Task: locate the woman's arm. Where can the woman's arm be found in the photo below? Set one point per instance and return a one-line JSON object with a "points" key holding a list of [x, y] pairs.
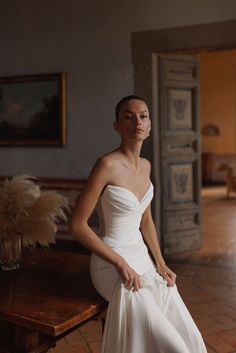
{"points": [[149, 232], [101, 175]]}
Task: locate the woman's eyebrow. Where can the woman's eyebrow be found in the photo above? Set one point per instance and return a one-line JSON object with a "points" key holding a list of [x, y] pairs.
{"points": [[131, 112]]}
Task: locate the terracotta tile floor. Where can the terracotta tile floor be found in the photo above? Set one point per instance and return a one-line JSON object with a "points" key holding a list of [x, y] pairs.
{"points": [[206, 281], [219, 231]]}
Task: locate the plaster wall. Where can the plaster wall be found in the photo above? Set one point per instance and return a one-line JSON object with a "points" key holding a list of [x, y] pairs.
{"points": [[218, 100]]}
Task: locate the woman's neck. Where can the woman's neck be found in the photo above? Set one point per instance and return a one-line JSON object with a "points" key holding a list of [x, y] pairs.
{"points": [[131, 153]]}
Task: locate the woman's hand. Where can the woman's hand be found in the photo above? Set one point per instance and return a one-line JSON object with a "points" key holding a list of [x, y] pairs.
{"points": [[130, 278], [167, 274]]}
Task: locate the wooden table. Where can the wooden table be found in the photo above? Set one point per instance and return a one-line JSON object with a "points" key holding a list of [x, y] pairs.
{"points": [[49, 296]]}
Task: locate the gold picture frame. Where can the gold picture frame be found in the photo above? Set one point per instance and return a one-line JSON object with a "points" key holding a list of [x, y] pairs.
{"points": [[33, 110]]}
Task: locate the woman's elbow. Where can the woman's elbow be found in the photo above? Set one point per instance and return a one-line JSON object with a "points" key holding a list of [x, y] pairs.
{"points": [[72, 228], [75, 228]]}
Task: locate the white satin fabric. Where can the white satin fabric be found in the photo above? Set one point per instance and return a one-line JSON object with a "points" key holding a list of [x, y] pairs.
{"points": [[153, 319]]}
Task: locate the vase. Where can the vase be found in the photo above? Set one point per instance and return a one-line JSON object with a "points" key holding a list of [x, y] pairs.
{"points": [[10, 253]]}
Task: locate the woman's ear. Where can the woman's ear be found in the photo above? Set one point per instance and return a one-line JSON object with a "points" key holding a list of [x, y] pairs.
{"points": [[116, 126], [150, 124]]}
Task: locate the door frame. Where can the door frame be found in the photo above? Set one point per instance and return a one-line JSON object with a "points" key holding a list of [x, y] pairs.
{"points": [[180, 40]]}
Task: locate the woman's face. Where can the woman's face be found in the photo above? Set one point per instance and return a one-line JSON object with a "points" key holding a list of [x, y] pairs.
{"points": [[134, 122]]}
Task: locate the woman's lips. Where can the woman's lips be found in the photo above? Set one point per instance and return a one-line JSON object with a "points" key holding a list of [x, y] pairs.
{"points": [[138, 130]]}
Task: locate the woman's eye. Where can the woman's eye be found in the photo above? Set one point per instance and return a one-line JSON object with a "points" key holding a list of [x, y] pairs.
{"points": [[143, 116], [127, 117]]}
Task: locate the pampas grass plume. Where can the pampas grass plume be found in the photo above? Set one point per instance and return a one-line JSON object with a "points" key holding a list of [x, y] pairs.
{"points": [[28, 212]]}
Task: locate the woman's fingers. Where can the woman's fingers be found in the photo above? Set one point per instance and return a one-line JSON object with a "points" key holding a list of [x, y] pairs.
{"points": [[132, 282], [170, 279], [137, 283], [129, 285], [169, 275], [130, 278]]}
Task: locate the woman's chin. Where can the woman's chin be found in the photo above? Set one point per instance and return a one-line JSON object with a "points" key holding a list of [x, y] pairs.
{"points": [[138, 138]]}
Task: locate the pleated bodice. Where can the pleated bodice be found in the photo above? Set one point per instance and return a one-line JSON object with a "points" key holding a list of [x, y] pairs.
{"points": [[120, 213]]}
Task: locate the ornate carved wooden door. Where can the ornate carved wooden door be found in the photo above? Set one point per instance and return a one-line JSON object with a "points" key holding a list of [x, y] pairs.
{"points": [[176, 150]]}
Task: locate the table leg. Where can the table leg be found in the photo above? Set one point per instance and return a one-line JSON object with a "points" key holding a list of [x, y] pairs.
{"points": [[14, 339], [29, 341]]}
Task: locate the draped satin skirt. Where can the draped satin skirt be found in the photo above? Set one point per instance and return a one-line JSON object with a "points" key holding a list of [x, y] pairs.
{"points": [[153, 319]]}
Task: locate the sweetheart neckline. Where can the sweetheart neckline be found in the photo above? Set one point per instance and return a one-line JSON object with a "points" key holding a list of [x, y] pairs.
{"points": [[131, 192]]}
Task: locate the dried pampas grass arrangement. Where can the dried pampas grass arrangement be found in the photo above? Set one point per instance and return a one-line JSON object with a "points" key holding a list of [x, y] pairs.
{"points": [[28, 212]]}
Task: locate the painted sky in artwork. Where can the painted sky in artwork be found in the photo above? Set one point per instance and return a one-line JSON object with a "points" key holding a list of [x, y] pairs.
{"points": [[19, 102]]}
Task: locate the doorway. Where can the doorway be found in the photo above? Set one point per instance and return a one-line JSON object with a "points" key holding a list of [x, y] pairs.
{"points": [[197, 40], [218, 135]]}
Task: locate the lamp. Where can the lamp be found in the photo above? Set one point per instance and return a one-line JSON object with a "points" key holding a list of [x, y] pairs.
{"points": [[210, 130]]}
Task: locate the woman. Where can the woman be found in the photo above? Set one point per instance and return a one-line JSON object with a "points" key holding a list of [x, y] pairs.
{"points": [[145, 313]]}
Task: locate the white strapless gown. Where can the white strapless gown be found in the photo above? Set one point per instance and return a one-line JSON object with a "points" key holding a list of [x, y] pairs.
{"points": [[153, 319]]}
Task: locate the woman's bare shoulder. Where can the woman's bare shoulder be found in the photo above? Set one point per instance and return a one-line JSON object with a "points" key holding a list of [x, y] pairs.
{"points": [[146, 164], [103, 169], [107, 161]]}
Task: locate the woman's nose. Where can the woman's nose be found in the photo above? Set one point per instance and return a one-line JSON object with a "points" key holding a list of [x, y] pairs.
{"points": [[137, 120]]}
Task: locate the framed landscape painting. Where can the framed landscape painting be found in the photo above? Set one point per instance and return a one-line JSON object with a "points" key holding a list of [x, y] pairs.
{"points": [[33, 110]]}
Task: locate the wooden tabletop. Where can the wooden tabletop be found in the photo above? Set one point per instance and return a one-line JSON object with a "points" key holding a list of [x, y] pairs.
{"points": [[50, 293]]}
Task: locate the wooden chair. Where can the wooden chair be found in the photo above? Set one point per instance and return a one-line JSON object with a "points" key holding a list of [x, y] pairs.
{"points": [[230, 177]]}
